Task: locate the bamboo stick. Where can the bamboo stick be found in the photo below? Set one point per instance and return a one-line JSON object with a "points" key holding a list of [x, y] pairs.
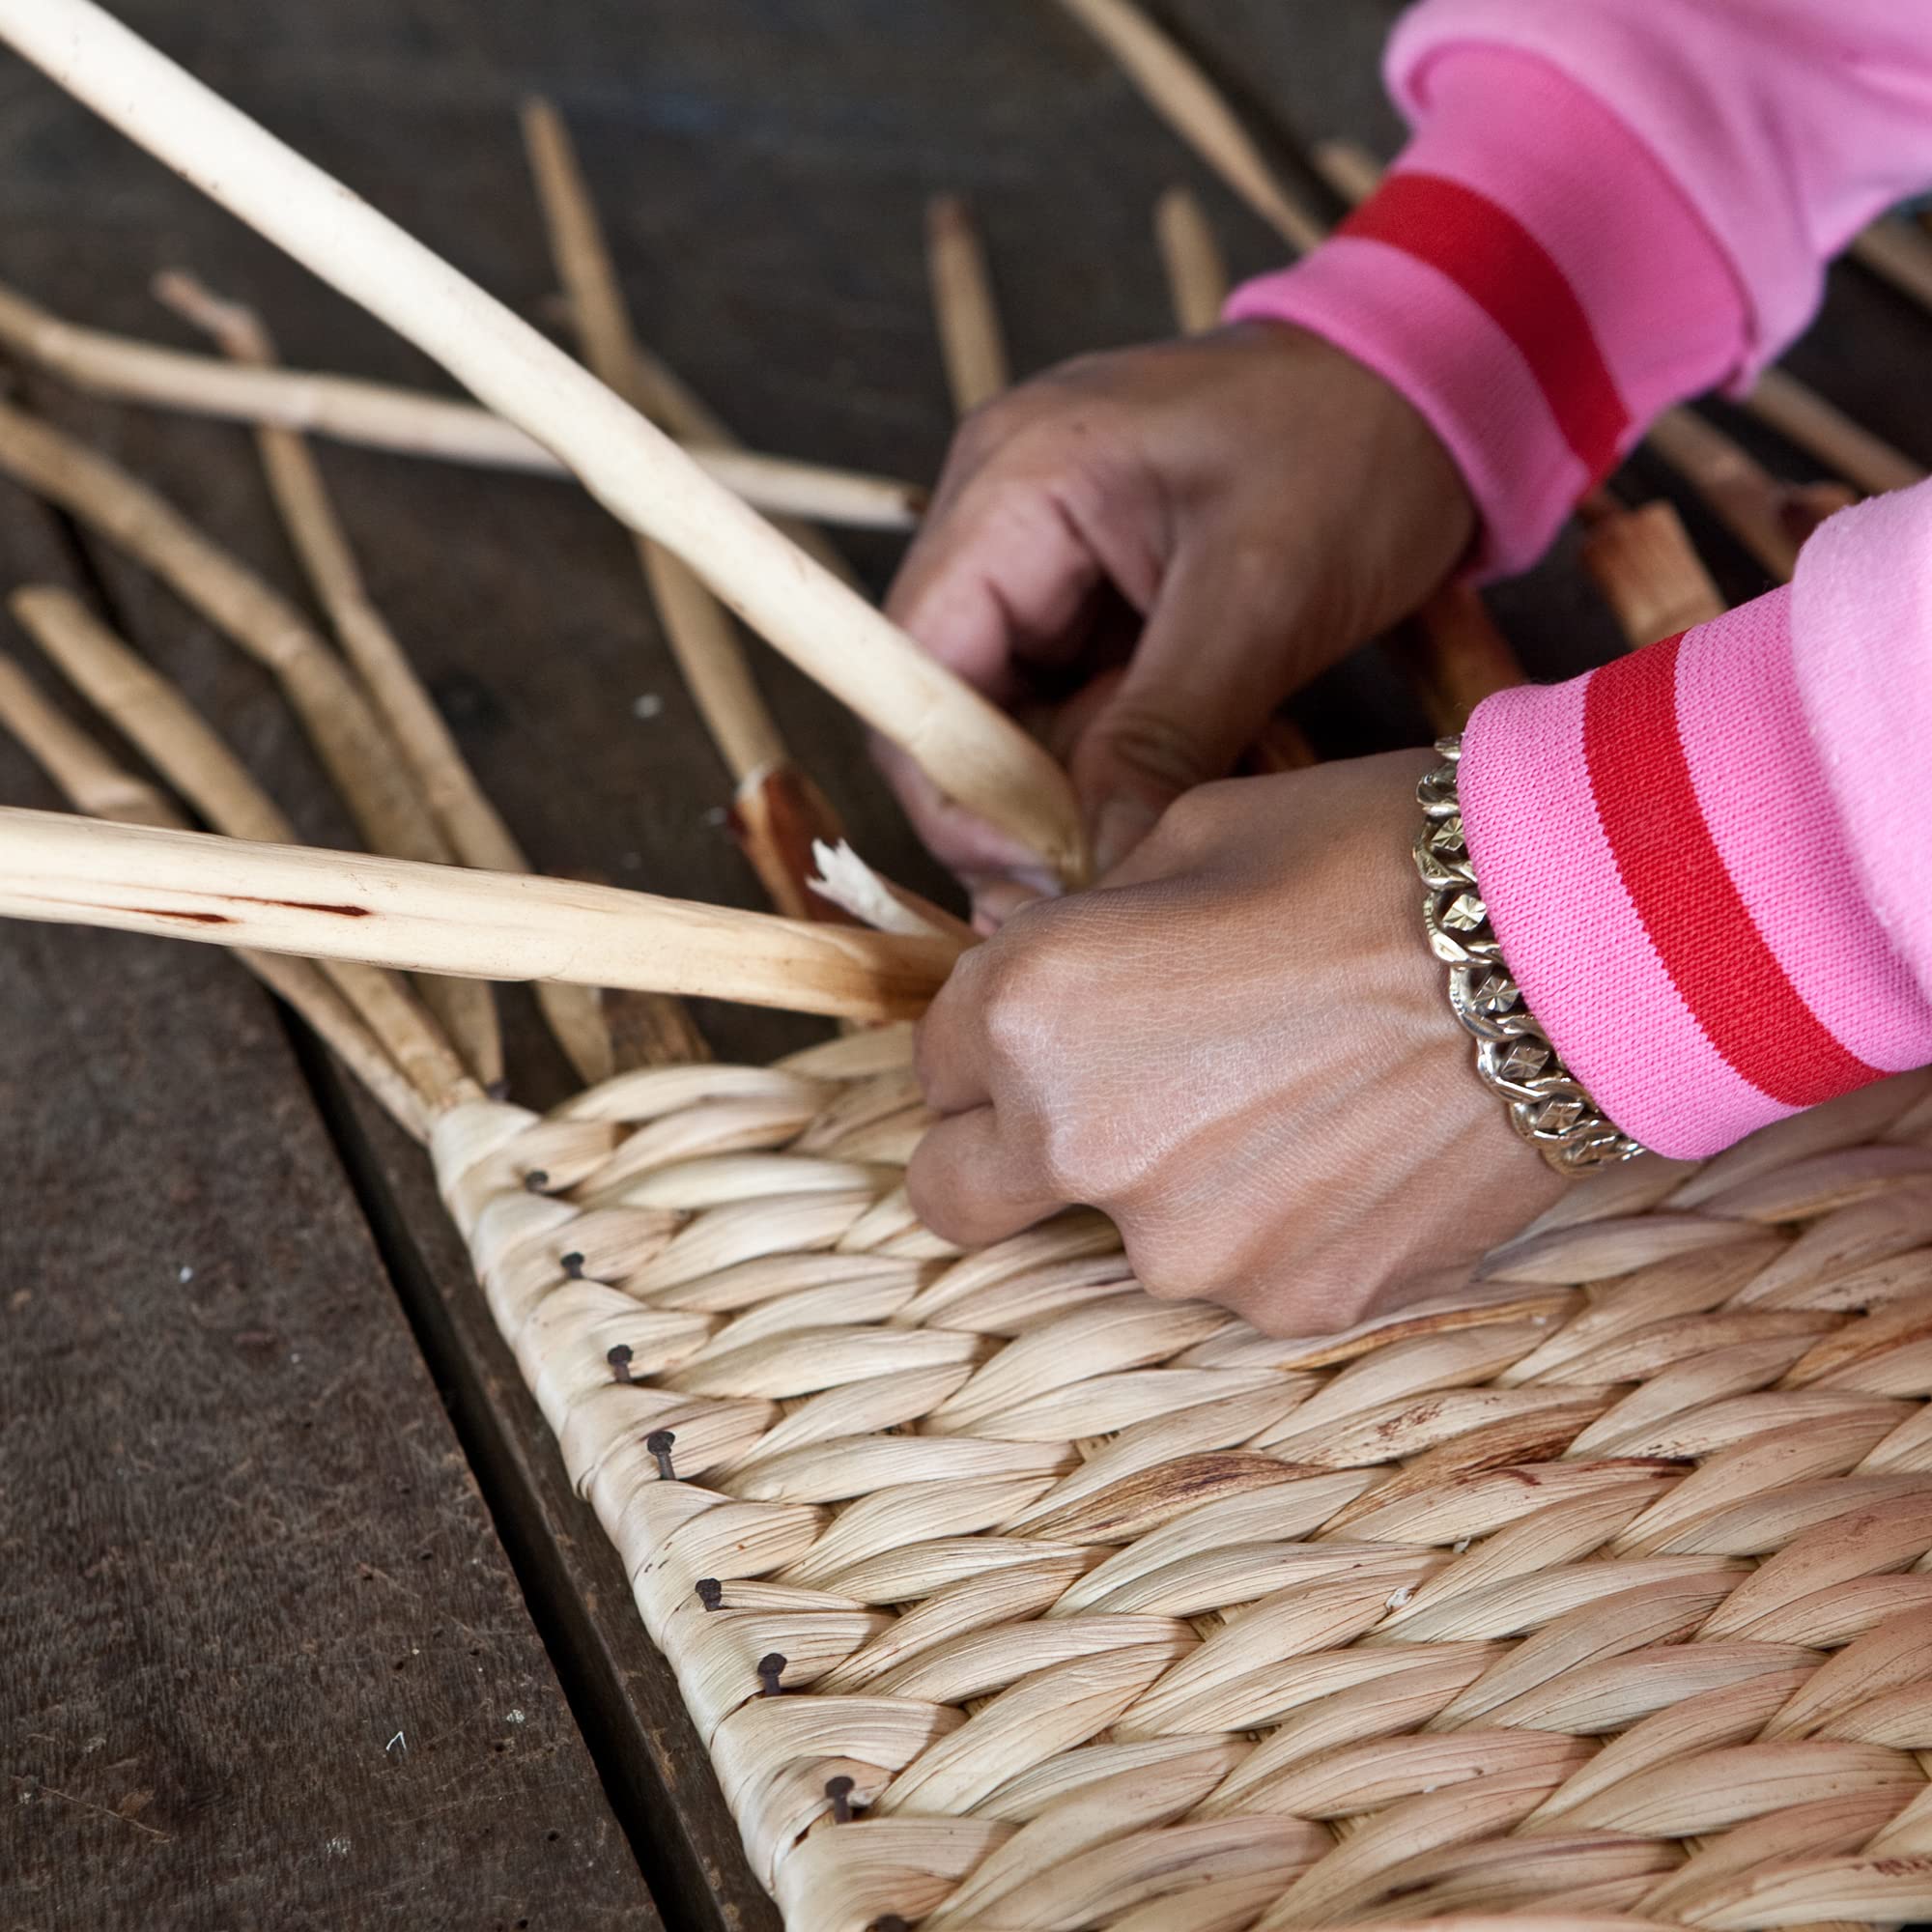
{"points": [[1197, 277], [151, 715], [968, 748], [475, 831], [1643, 565], [410, 422], [771, 792], [354, 747], [1822, 430], [971, 341], [99, 787], [1901, 252], [1191, 105], [447, 918]]}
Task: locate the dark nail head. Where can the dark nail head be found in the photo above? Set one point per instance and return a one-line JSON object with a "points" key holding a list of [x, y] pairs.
{"points": [[573, 1265], [839, 1791], [771, 1667], [711, 1593], [619, 1355], [537, 1179], [659, 1442]]}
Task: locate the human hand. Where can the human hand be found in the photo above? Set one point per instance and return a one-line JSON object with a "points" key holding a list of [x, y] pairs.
{"points": [[1171, 539], [1240, 1047]]}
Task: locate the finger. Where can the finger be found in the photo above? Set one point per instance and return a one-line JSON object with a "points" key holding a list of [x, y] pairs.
{"points": [[1217, 656], [968, 1183], [950, 1044]]}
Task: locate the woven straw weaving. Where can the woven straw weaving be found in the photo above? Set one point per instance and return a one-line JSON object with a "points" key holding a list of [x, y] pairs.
{"points": [[1605, 1588], [1003, 1595]]}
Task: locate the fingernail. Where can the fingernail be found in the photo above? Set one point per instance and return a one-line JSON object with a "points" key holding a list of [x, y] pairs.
{"points": [[997, 902], [1121, 825]]}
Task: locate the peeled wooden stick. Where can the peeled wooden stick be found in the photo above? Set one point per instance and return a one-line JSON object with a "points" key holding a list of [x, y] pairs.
{"points": [[1197, 277], [1901, 252], [1824, 431], [967, 747], [358, 752], [98, 786], [1642, 562], [147, 711], [1191, 105], [448, 919], [1456, 655], [970, 338], [411, 422], [476, 832], [699, 630]]}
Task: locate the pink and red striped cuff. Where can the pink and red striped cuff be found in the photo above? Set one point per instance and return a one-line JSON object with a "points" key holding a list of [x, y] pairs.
{"points": [[1532, 281], [1672, 887]]}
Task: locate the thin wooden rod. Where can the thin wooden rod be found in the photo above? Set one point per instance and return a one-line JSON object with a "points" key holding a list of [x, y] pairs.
{"points": [[155, 718], [1197, 276], [1825, 431], [970, 748], [474, 829], [697, 626], [410, 422], [447, 918], [1900, 252], [1644, 566], [777, 810], [99, 787], [351, 741], [971, 342], [1189, 103]]}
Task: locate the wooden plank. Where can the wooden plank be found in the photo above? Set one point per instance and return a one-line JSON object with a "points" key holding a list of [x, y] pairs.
{"points": [[267, 1660]]}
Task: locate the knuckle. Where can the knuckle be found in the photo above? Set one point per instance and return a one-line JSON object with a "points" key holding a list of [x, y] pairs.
{"points": [[1157, 745]]}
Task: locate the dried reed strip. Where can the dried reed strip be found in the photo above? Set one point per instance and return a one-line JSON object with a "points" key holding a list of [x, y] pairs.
{"points": [[971, 342], [1644, 566], [153, 715], [97, 785], [410, 422], [475, 830], [358, 753], [1197, 276], [1898, 251], [780, 812], [1174, 87], [1824, 431], [970, 748], [447, 918], [1456, 655]]}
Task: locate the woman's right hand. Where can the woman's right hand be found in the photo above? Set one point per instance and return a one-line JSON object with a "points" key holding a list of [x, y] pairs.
{"points": [[1238, 509]]}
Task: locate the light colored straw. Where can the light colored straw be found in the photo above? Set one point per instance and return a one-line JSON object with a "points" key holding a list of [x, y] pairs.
{"points": [[357, 751], [410, 422], [475, 830], [1189, 103], [151, 715], [99, 787], [1197, 276], [971, 341], [451, 919], [967, 746]]}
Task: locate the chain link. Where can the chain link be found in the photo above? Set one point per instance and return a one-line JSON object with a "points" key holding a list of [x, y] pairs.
{"points": [[1548, 1105]]}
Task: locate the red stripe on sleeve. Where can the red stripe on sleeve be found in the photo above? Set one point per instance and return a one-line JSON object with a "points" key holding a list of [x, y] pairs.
{"points": [[1501, 267], [1670, 866]]}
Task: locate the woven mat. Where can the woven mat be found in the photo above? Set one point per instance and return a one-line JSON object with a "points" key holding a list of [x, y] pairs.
{"points": [[1005, 1595]]}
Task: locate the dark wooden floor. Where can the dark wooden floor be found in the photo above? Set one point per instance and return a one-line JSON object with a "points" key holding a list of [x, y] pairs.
{"points": [[298, 1622]]}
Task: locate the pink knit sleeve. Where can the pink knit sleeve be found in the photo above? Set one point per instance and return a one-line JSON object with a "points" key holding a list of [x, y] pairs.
{"points": [[1607, 206], [1703, 862]]}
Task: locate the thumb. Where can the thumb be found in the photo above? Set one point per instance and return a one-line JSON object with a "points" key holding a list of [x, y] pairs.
{"points": [[1214, 659]]}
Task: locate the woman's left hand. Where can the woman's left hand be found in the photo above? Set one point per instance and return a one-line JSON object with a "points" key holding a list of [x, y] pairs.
{"points": [[1238, 1046]]}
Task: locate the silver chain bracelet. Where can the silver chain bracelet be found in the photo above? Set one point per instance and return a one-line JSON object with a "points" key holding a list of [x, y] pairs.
{"points": [[1548, 1105]]}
